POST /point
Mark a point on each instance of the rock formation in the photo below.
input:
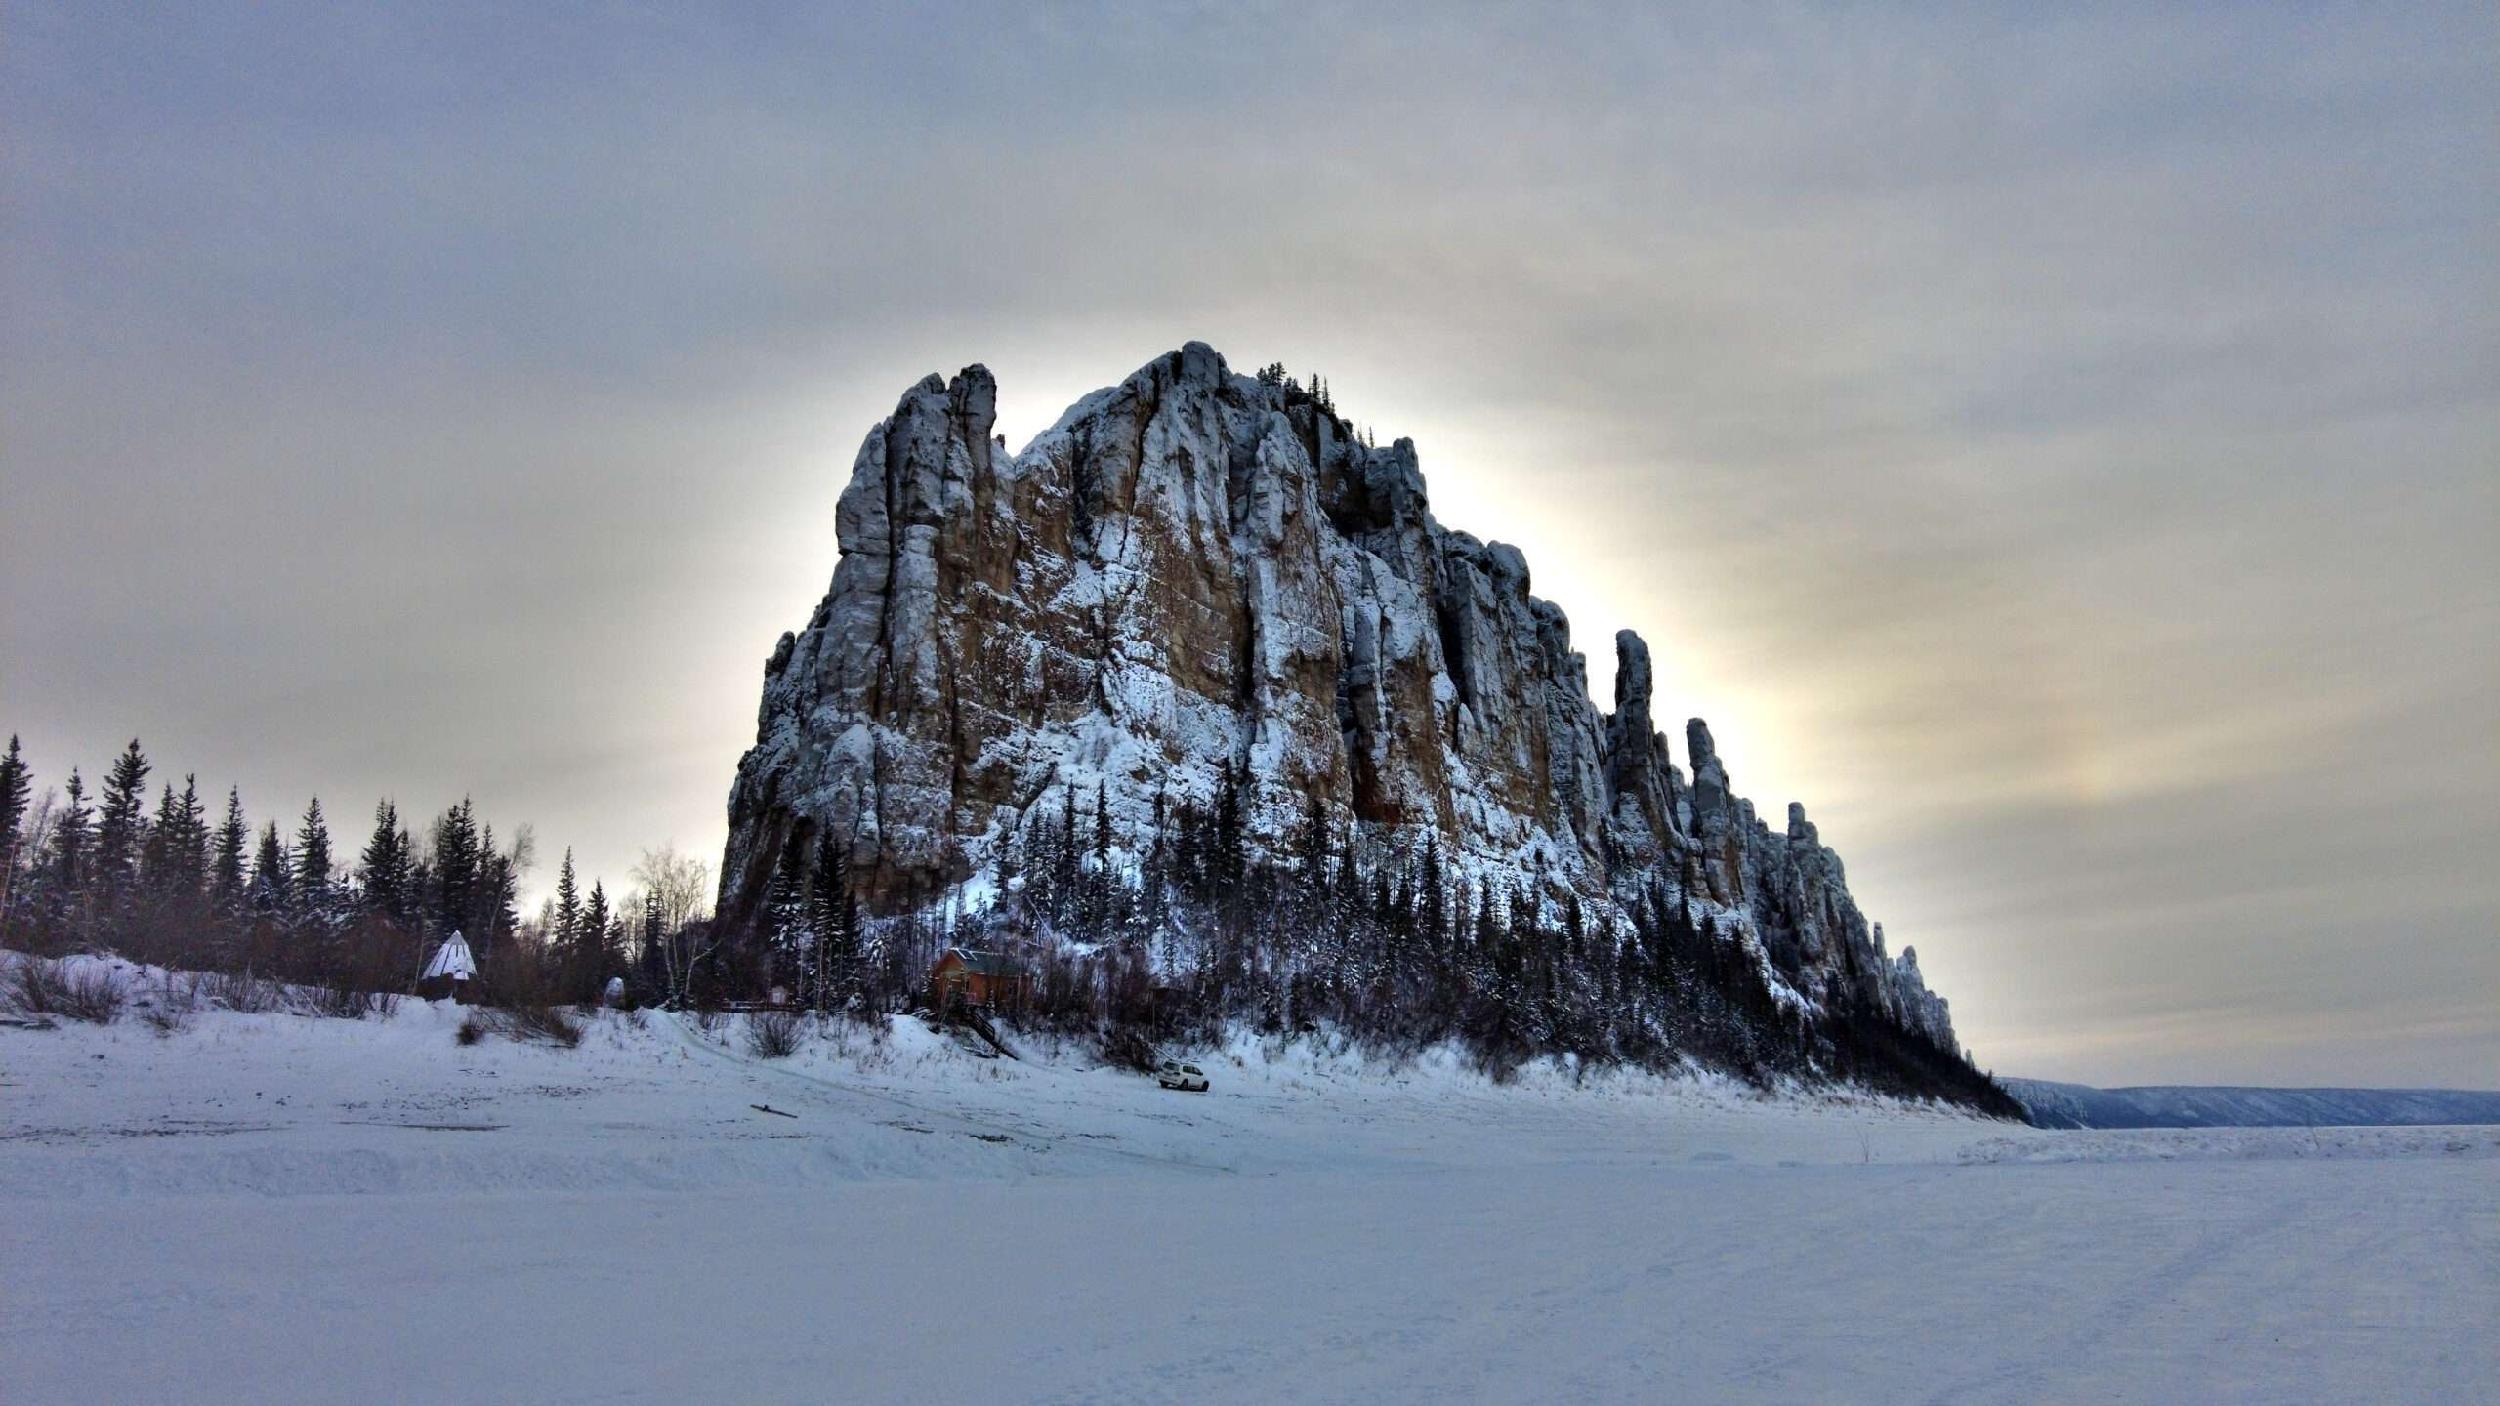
(1196, 574)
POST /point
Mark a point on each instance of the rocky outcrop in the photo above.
(1197, 575)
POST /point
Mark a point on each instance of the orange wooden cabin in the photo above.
(966, 976)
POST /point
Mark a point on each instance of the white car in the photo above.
(1187, 1078)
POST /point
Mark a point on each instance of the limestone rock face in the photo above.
(1195, 575)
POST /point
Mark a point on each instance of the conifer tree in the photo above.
(1102, 828)
(834, 922)
(16, 785)
(312, 861)
(385, 866)
(497, 911)
(455, 869)
(594, 941)
(1313, 856)
(119, 818)
(786, 918)
(73, 843)
(1431, 912)
(154, 855)
(568, 928)
(226, 874)
(273, 879)
(1346, 906)
(191, 848)
(177, 849)
(1154, 886)
(1070, 867)
(1231, 856)
(1100, 884)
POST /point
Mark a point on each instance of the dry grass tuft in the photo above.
(37, 987)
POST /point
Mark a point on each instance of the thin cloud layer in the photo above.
(2058, 450)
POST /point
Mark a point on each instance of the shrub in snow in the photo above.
(242, 991)
(346, 1000)
(773, 1034)
(1127, 1047)
(551, 1024)
(471, 1030)
(91, 993)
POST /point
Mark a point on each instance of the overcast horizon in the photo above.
(2063, 452)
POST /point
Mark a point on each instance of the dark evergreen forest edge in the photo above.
(1394, 952)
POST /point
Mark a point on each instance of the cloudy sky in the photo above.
(2063, 451)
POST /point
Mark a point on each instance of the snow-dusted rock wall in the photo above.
(1196, 571)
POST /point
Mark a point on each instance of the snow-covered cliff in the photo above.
(1196, 574)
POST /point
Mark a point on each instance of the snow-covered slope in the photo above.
(2053, 1105)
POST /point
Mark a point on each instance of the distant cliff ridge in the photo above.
(1202, 591)
(2051, 1105)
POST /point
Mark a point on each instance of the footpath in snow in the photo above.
(272, 1207)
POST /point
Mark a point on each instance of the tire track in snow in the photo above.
(2035, 1375)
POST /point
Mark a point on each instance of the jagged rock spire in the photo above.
(1198, 579)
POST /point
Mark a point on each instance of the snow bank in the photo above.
(281, 1104)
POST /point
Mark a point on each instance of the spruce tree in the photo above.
(177, 850)
(73, 844)
(594, 941)
(500, 911)
(1345, 904)
(456, 871)
(568, 928)
(1315, 841)
(1231, 857)
(226, 874)
(385, 866)
(1070, 868)
(312, 862)
(273, 880)
(786, 927)
(1099, 882)
(496, 903)
(191, 848)
(834, 921)
(119, 818)
(1431, 913)
(1155, 878)
(153, 852)
(16, 786)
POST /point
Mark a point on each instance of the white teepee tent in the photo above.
(451, 966)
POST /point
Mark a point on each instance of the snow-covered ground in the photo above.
(271, 1207)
